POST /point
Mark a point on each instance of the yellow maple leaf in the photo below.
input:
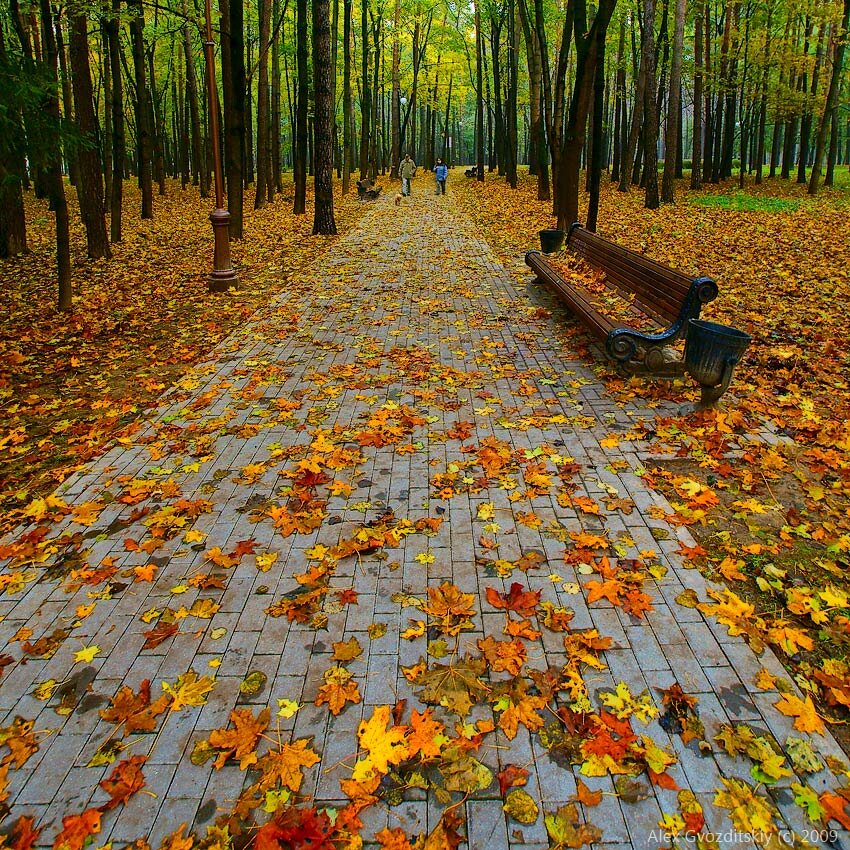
(806, 718)
(194, 536)
(265, 561)
(486, 510)
(87, 654)
(425, 558)
(188, 690)
(385, 746)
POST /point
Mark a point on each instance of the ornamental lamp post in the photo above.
(223, 275)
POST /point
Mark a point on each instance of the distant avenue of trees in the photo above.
(96, 92)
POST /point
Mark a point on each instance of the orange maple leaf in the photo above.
(241, 741)
(124, 781)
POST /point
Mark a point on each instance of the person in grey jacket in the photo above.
(406, 171)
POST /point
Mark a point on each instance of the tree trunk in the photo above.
(199, 172)
(762, 117)
(627, 169)
(323, 152)
(479, 94)
(395, 106)
(806, 123)
(595, 173)
(53, 170)
(674, 106)
(67, 97)
(830, 113)
(365, 91)
(511, 101)
(118, 137)
(89, 183)
(696, 150)
(233, 94)
(276, 182)
(619, 103)
(588, 43)
(650, 123)
(263, 159)
(142, 107)
(346, 97)
(299, 206)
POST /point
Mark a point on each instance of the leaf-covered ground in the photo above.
(385, 568)
(69, 382)
(773, 517)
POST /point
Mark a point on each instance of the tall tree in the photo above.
(89, 183)
(365, 91)
(299, 206)
(395, 105)
(347, 117)
(233, 91)
(830, 112)
(479, 93)
(144, 132)
(263, 153)
(589, 50)
(696, 151)
(672, 141)
(323, 152)
(118, 152)
(53, 164)
(650, 115)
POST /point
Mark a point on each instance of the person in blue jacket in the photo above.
(441, 172)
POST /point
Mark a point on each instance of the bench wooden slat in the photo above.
(660, 293)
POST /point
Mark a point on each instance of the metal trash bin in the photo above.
(552, 240)
(711, 353)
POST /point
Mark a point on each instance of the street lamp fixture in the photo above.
(223, 275)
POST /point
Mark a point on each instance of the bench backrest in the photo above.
(658, 291)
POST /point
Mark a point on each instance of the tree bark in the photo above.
(479, 94)
(395, 105)
(233, 95)
(650, 123)
(55, 185)
(696, 150)
(89, 183)
(323, 151)
(142, 107)
(346, 97)
(595, 173)
(830, 113)
(674, 106)
(299, 206)
(365, 91)
(263, 158)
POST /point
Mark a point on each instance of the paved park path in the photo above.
(406, 377)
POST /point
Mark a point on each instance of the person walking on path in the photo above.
(406, 171)
(441, 172)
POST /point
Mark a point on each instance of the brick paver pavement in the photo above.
(410, 344)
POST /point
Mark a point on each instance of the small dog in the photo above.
(398, 199)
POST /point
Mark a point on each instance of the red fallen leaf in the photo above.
(5, 661)
(460, 431)
(124, 781)
(694, 822)
(833, 806)
(293, 827)
(157, 635)
(510, 777)
(523, 602)
(77, 829)
(663, 780)
(23, 835)
(585, 796)
(243, 547)
(347, 596)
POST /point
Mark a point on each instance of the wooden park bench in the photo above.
(667, 298)
(367, 190)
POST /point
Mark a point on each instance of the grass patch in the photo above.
(743, 202)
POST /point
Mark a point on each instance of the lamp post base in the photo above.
(223, 275)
